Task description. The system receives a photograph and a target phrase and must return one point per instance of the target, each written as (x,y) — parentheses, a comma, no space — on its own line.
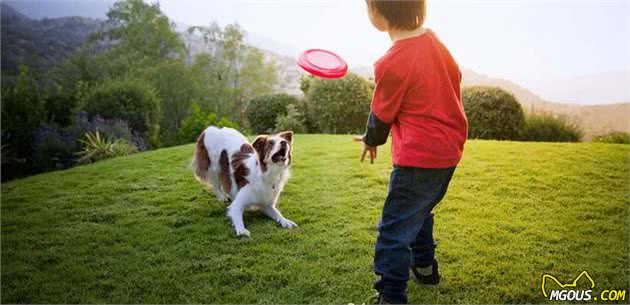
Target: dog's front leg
(235,213)
(274,214)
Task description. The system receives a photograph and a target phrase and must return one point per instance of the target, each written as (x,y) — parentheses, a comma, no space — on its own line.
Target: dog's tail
(201,161)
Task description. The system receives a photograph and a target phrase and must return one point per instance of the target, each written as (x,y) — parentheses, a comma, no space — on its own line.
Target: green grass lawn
(140,229)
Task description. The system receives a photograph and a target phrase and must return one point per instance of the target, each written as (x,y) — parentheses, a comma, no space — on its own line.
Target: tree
(232,71)
(142,30)
(22,113)
(257,76)
(131,100)
(175,85)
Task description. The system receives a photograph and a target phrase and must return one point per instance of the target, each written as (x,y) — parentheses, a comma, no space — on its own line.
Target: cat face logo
(570,294)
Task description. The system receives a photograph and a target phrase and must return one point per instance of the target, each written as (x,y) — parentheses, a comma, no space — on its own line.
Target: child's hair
(401,14)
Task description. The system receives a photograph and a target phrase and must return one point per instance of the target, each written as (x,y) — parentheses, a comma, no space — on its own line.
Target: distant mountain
(41,44)
(612,86)
(39,9)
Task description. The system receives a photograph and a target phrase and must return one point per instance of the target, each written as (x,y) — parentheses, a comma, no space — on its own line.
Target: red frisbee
(323,63)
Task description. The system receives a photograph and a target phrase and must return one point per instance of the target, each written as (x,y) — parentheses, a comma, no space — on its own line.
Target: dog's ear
(259,145)
(287,135)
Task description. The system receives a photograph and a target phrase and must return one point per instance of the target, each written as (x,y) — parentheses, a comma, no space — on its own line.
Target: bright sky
(522,40)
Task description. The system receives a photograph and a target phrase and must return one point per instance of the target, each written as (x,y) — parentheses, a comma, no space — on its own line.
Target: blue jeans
(405,231)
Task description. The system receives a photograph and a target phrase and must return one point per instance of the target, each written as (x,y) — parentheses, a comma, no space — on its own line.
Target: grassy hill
(140,229)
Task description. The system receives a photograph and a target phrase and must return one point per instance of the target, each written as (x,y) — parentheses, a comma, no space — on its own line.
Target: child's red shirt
(418,92)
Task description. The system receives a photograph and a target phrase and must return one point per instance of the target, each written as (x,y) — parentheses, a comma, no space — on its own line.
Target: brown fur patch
(201,161)
(224,174)
(262,147)
(239,167)
(288,135)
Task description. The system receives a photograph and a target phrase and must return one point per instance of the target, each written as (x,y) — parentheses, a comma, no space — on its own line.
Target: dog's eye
(272,142)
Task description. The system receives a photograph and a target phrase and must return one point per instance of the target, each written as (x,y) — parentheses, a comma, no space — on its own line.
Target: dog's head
(274,150)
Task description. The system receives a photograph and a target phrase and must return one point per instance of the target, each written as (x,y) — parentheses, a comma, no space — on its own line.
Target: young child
(417,96)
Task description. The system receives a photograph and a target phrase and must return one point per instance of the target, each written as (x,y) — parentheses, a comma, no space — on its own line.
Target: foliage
(616,137)
(545,127)
(235,71)
(110,128)
(263,111)
(507,204)
(257,77)
(22,110)
(198,121)
(215,94)
(54,148)
(176,87)
(339,106)
(293,120)
(60,108)
(131,100)
(141,30)
(305,82)
(97,148)
(493,113)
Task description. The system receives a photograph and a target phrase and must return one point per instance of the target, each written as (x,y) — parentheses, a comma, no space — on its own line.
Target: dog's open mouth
(280,155)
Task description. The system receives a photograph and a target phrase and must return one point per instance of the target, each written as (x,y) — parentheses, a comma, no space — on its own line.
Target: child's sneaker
(428,275)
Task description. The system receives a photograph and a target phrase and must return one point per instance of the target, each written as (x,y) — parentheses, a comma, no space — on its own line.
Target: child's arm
(376,132)
(388,96)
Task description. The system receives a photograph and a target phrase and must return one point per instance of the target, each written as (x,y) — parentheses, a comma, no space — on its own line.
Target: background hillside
(46,42)
(40,43)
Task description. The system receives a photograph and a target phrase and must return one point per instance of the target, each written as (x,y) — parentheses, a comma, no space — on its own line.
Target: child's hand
(366,149)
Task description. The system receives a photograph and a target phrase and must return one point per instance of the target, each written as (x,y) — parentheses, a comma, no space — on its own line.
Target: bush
(112,129)
(339,106)
(262,111)
(22,113)
(493,113)
(60,108)
(132,101)
(54,148)
(291,121)
(198,121)
(615,137)
(98,148)
(544,127)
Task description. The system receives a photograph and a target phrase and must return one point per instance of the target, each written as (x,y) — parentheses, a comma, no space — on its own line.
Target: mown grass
(140,229)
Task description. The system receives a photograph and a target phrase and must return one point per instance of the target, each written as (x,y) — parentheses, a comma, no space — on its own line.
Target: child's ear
(287,135)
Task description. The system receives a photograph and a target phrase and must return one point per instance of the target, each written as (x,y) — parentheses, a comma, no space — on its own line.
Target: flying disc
(322,63)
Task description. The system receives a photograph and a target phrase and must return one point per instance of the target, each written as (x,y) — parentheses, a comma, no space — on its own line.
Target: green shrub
(615,137)
(339,106)
(98,148)
(60,109)
(291,121)
(493,113)
(22,113)
(544,127)
(132,101)
(197,122)
(262,111)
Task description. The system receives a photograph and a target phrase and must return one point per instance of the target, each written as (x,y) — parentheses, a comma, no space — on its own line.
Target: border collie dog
(248,175)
